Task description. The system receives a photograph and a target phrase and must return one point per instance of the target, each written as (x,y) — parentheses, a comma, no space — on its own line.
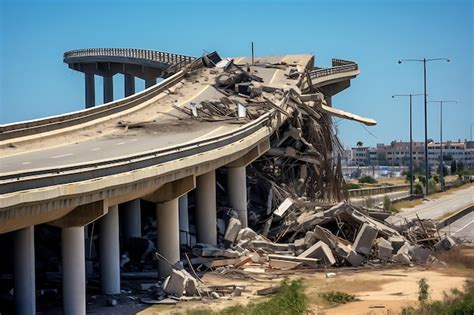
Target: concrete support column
(74,270)
(90,90)
(183,220)
(132,222)
(129,82)
(206,208)
(24,271)
(167,224)
(237,192)
(150,82)
(108,89)
(109,252)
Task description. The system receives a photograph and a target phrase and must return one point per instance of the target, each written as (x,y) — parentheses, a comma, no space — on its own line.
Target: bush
(352,186)
(387,203)
(433,186)
(367,180)
(337,297)
(417,189)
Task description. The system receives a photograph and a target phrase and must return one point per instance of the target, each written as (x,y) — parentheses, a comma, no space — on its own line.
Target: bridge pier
(129,84)
(74,270)
(150,82)
(206,208)
(90,89)
(167,225)
(108,89)
(24,271)
(183,220)
(237,192)
(109,252)
(132,222)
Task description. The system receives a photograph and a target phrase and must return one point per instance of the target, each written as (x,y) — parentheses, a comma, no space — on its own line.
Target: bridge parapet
(136,53)
(338,66)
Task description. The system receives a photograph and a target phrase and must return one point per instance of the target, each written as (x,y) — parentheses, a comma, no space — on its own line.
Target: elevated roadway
(71,170)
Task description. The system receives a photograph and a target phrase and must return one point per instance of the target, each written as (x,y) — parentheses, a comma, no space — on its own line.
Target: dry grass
(407,204)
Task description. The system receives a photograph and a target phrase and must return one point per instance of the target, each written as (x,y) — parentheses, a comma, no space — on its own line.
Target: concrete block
(445,243)
(365,238)
(175,284)
(354,259)
(190,286)
(384,249)
(221,226)
(309,238)
(321,251)
(402,258)
(300,244)
(285,205)
(246,234)
(419,253)
(405,249)
(233,228)
(397,242)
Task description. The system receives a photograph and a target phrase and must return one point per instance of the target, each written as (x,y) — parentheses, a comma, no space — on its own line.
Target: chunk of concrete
(384,249)
(445,243)
(405,249)
(233,228)
(397,242)
(354,259)
(309,238)
(284,206)
(190,286)
(419,253)
(365,238)
(402,258)
(321,251)
(246,234)
(175,284)
(300,244)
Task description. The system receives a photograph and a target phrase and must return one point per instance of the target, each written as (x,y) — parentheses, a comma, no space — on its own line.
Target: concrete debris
(365,238)
(321,251)
(175,283)
(233,229)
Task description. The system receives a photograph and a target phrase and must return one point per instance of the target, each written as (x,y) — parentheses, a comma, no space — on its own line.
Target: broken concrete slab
(175,283)
(246,234)
(397,242)
(285,205)
(384,249)
(419,253)
(365,238)
(402,258)
(321,251)
(284,264)
(233,228)
(445,244)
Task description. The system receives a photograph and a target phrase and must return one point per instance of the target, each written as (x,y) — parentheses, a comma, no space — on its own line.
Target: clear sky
(34,82)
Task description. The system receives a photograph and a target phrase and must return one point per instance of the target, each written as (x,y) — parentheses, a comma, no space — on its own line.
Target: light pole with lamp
(441,170)
(411,137)
(424,60)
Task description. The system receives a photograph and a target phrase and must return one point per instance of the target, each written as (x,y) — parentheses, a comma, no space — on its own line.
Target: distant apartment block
(397,153)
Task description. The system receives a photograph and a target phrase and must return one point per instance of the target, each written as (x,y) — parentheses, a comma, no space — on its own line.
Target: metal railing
(338,66)
(145,54)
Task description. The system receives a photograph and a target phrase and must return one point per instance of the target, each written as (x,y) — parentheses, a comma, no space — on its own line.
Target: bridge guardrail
(27,128)
(363,192)
(145,54)
(338,66)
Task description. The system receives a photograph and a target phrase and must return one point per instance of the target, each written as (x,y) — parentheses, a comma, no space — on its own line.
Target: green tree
(359,143)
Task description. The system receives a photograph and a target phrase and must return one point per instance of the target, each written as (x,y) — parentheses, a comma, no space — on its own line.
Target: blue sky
(34,82)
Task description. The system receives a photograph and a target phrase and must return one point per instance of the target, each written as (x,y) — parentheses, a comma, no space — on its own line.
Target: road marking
(95,149)
(62,155)
(120,143)
(25,163)
(133,140)
(464,227)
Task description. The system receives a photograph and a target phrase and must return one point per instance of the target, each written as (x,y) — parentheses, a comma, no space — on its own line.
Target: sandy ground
(379,291)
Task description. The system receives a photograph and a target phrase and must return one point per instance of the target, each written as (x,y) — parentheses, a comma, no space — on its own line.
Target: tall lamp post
(424,60)
(411,137)
(441,163)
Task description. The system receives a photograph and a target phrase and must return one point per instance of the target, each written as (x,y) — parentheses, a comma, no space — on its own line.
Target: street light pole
(424,60)
(441,162)
(411,138)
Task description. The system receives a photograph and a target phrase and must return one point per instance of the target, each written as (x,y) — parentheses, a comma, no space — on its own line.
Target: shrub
(417,189)
(352,186)
(337,297)
(367,180)
(387,203)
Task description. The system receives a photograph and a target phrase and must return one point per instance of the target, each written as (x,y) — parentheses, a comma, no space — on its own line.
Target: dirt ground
(379,291)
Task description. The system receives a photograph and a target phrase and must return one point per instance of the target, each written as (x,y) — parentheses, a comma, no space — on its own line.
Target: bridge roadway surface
(165,127)
(437,208)
(462,228)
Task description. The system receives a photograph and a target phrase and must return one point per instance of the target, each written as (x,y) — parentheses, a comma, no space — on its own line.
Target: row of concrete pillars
(172,217)
(129,87)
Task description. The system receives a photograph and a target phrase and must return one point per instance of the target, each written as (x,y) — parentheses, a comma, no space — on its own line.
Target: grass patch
(406,204)
(291,300)
(337,297)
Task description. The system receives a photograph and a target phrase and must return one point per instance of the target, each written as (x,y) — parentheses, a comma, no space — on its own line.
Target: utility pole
(441,161)
(411,137)
(424,60)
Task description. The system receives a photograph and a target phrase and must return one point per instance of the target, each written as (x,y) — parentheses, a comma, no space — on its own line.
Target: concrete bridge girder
(110,69)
